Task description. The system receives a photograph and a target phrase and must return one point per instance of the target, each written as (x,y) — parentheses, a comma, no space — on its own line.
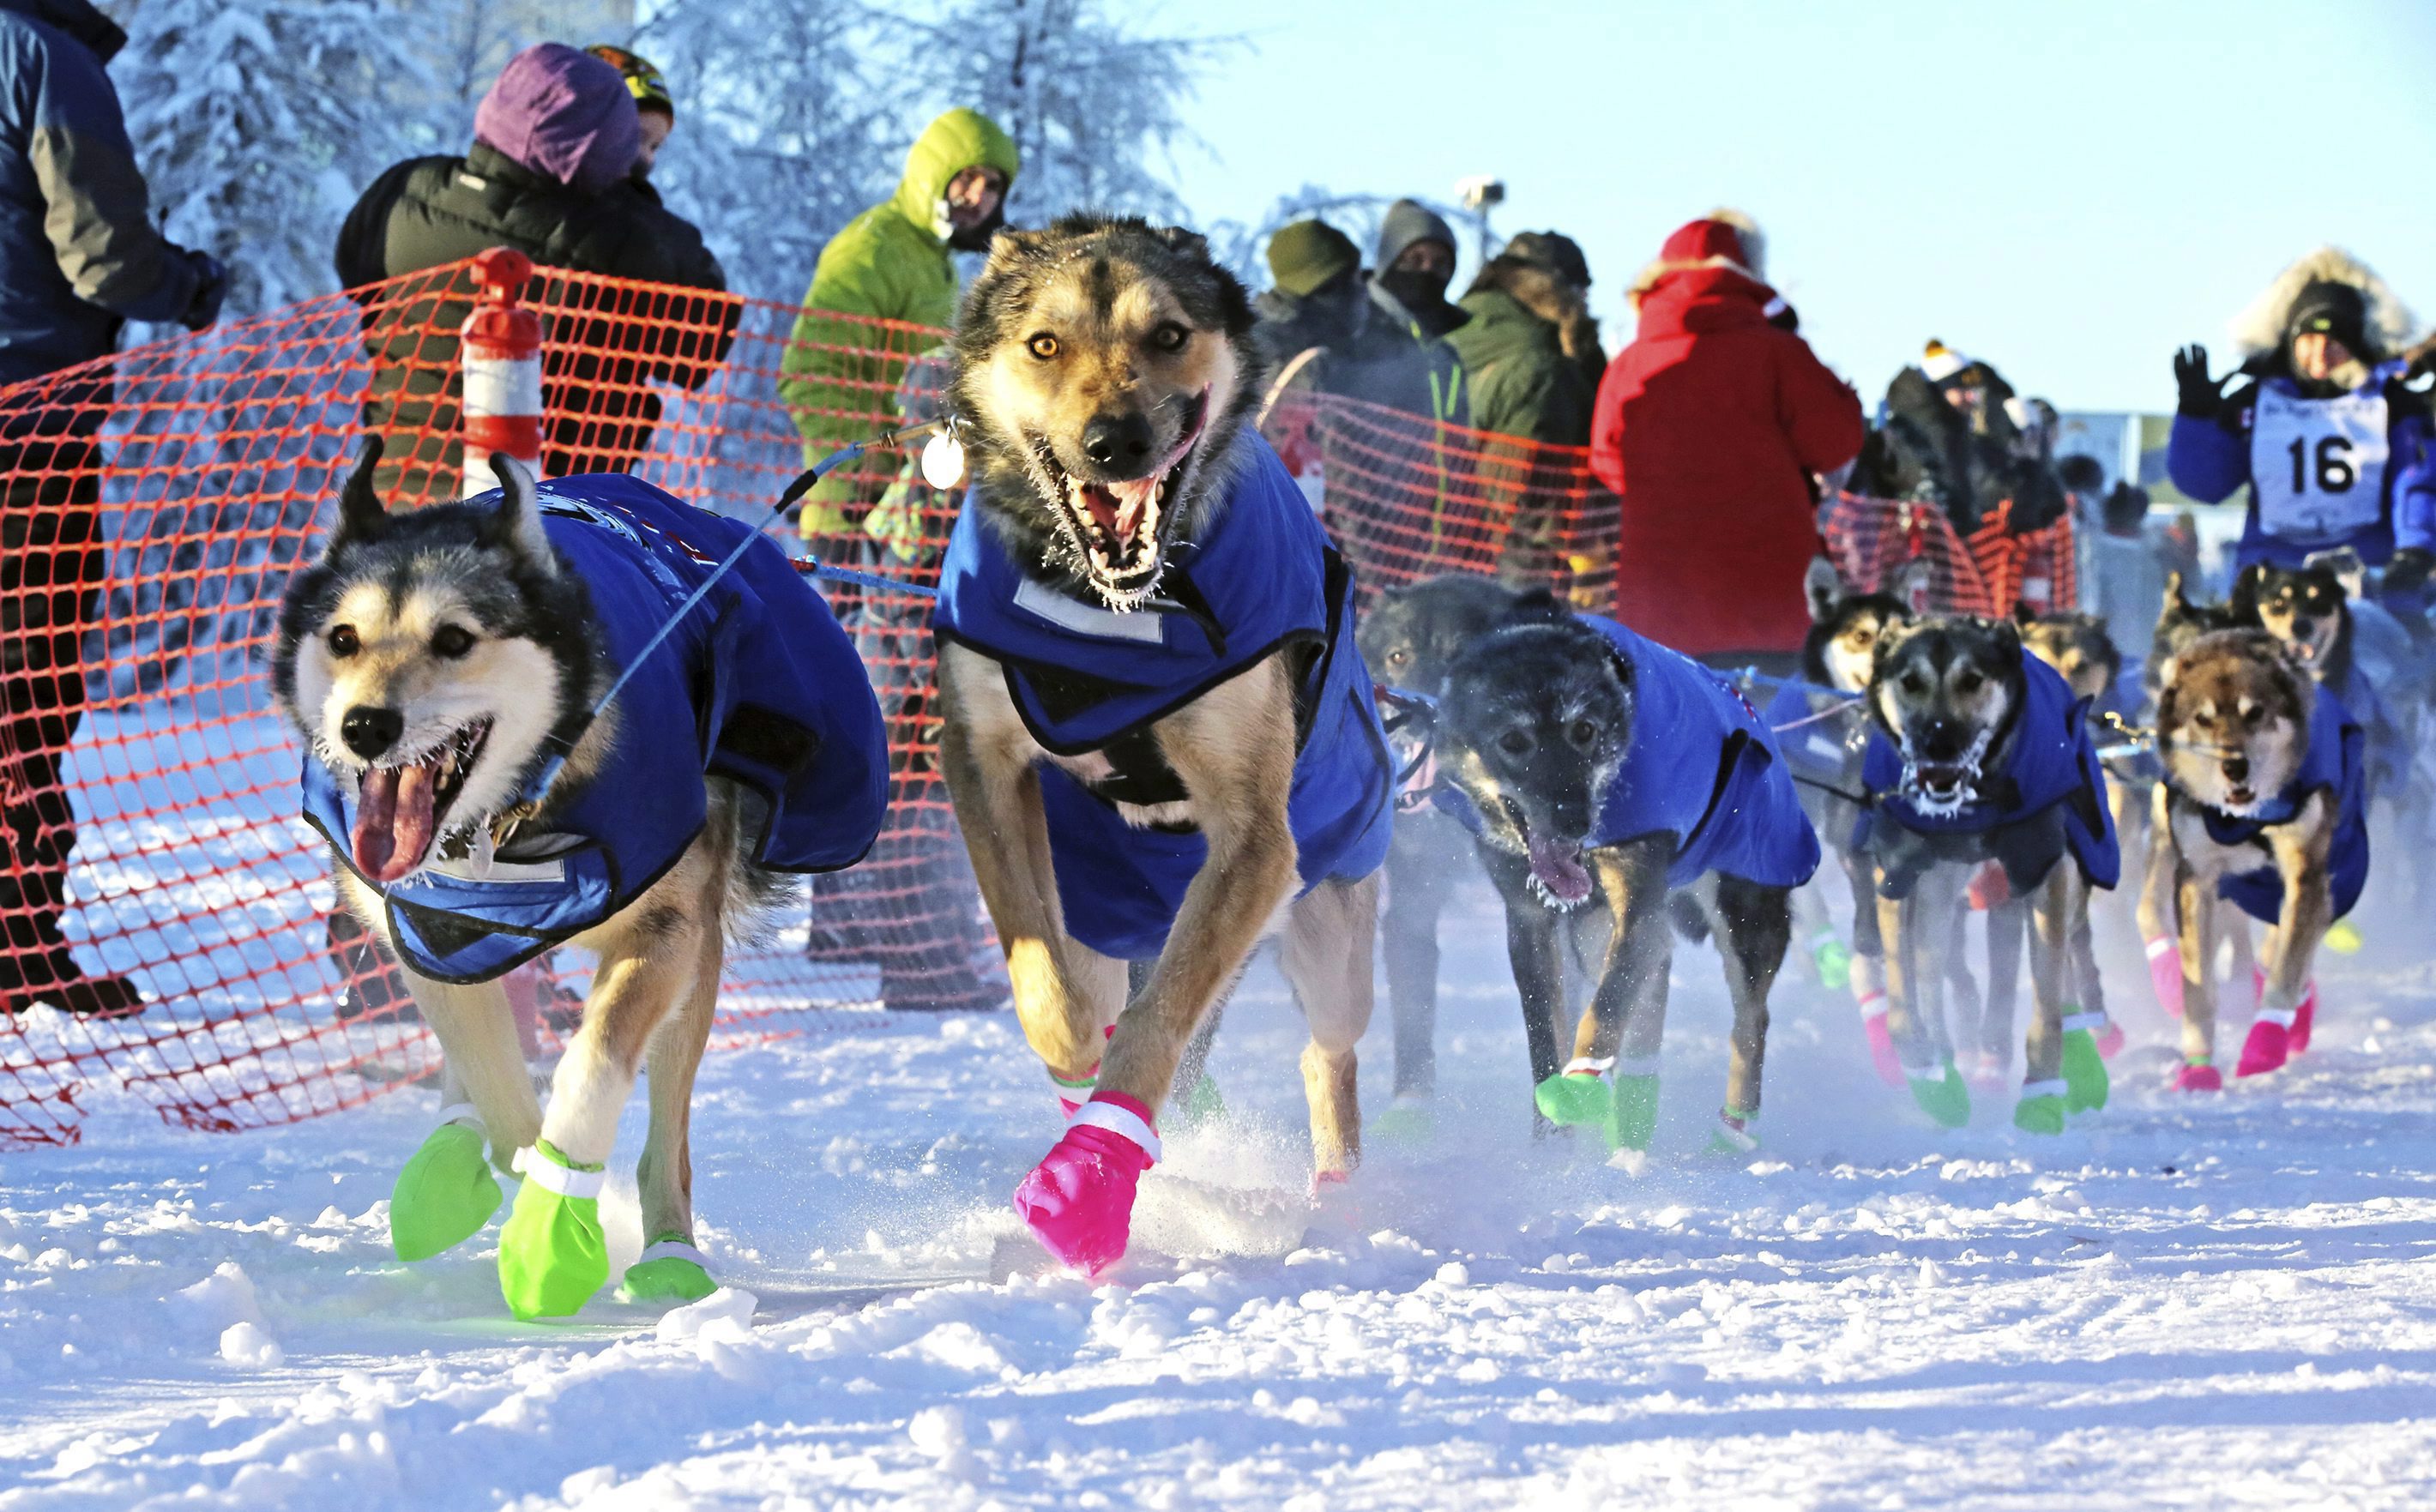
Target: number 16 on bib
(2318,466)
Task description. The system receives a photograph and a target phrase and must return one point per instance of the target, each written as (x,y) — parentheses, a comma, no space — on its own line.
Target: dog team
(562,713)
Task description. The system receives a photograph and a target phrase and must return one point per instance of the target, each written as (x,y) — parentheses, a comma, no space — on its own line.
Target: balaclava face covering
(1416,288)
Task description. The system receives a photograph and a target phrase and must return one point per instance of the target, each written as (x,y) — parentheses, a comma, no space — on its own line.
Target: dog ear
(2243,600)
(516,522)
(2008,637)
(1823,586)
(2176,594)
(1011,247)
(1182,242)
(360,511)
(1909,584)
(2023,613)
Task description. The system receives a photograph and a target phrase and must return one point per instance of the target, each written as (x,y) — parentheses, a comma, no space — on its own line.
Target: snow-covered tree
(788,124)
(466,42)
(1094,103)
(258,122)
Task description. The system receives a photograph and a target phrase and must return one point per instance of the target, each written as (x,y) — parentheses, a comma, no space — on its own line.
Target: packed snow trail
(2226,1301)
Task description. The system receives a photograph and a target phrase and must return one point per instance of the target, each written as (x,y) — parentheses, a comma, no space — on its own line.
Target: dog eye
(1969,683)
(342,640)
(1913,684)
(1170,337)
(1584,733)
(1044,346)
(1514,742)
(452,641)
(1398,657)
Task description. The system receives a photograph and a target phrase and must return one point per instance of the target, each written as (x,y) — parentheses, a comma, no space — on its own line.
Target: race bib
(2318,466)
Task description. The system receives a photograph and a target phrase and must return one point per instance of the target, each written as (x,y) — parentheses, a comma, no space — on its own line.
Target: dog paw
(1833,960)
(1571,1098)
(2198,1077)
(1733,1138)
(2042,1113)
(1079,1200)
(1874,1028)
(1633,1116)
(2343,938)
(671,1270)
(445,1194)
(2084,1072)
(1201,1107)
(2109,1040)
(1941,1094)
(1410,1118)
(552,1255)
(2166,972)
(2268,1047)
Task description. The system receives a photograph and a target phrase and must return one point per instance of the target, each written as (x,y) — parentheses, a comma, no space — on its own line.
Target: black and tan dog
(1597,768)
(1410,638)
(1981,755)
(2262,808)
(1157,729)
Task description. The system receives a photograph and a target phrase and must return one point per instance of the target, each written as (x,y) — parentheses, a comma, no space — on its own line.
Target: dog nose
(2237,769)
(1118,442)
(2303,627)
(370,731)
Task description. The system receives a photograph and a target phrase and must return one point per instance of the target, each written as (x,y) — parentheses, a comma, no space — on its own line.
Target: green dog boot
(1410,1118)
(446,1194)
(1943,1096)
(2042,1108)
(671,1270)
(2084,1069)
(552,1257)
(1634,1121)
(1733,1138)
(1575,1097)
(1198,1108)
(1833,960)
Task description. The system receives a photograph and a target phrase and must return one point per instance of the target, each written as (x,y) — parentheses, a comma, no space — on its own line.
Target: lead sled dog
(1157,730)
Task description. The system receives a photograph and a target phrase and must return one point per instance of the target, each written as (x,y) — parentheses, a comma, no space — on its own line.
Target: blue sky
(2068,190)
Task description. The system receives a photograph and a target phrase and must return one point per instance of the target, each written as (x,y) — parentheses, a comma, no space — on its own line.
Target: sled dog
(1981,754)
(439,665)
(2262,808)
(1157,730)
(1599,770)
(1410,638)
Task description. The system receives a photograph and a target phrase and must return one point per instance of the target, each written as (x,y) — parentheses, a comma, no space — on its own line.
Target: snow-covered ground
(2219,1303)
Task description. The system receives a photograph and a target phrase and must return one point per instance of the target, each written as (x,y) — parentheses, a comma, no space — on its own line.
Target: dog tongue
(1102,505)
(393,821)
(1559,870)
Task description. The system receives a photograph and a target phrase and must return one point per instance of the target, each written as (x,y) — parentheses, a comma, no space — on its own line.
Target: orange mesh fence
(1872,541)
(167,935)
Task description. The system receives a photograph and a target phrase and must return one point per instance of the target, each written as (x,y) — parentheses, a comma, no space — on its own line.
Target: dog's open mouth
(399,809)
(1944,788)
(1119,529)
(1558,874)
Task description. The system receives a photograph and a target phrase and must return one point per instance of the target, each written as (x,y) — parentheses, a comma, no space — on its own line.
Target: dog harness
(757,684)
(2050,799)
(2336,764)
(1260,579)
(1703,768)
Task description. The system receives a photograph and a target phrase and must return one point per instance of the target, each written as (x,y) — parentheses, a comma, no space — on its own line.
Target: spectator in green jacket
(1530,347)
(890,263)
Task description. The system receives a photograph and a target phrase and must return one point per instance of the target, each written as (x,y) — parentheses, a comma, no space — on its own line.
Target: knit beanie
(1307,256)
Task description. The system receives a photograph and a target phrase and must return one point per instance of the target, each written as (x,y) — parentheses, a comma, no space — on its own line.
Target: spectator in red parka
(1709,428)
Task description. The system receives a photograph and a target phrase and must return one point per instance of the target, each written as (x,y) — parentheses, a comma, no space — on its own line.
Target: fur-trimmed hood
(1557,301)
(2260,329)
(1722,238)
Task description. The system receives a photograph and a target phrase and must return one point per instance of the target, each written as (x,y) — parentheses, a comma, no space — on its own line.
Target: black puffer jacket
(430,211)
(1926,449)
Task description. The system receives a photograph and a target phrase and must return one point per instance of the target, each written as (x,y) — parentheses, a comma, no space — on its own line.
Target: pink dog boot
(2305,1014)
(2166,971)
(1079,1201)
(2269,1044)
(2109,1040)
(1870,991)
(2199,1076)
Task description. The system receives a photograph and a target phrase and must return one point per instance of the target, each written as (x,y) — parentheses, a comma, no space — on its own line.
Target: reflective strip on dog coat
(760,684)
(1263,577)
(2335,763)
(2052,765)
(1703,768)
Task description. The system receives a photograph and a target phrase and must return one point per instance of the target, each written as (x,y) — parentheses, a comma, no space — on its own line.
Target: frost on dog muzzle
(1942,789)
(1116,535)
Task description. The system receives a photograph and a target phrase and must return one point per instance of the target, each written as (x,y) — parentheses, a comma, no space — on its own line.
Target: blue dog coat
(1702,769)
(757,684)
(2338,753)
(2053,767)
(1085,678)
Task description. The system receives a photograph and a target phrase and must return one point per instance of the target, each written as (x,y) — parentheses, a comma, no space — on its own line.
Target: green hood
(958,140)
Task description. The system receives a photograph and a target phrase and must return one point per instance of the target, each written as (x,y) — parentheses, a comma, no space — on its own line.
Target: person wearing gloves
(839,376)
(79,257)
(2320,424)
